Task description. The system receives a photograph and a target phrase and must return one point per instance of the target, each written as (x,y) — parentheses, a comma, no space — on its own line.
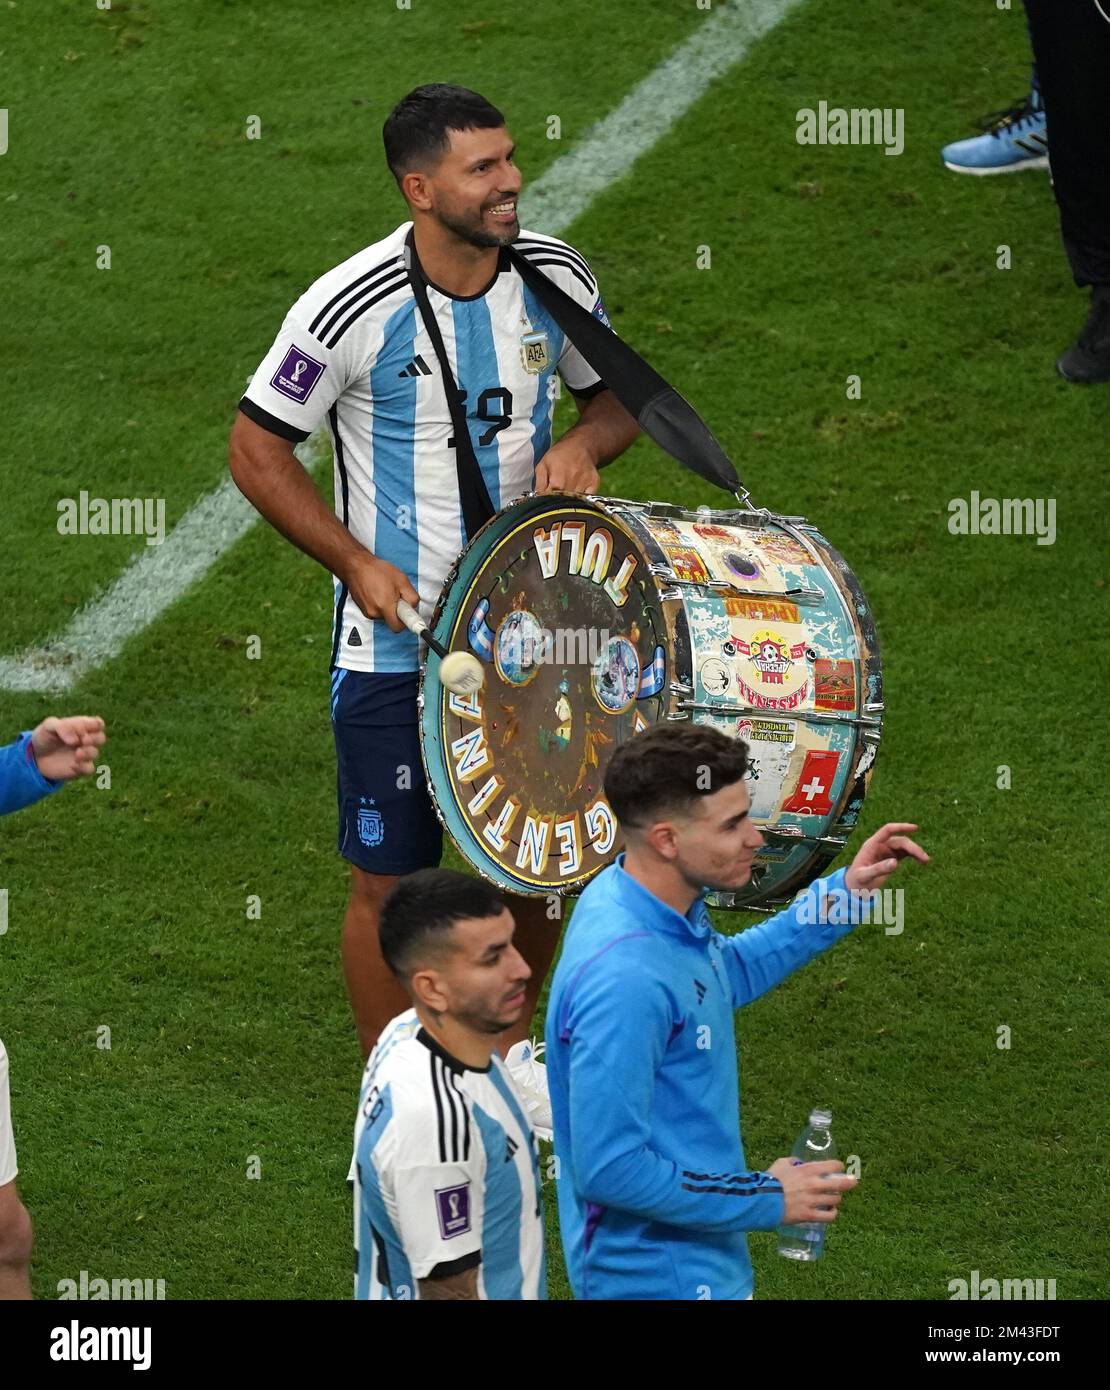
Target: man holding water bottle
(655,1195)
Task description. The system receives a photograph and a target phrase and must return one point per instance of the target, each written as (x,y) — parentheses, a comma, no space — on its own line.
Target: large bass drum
(596,617)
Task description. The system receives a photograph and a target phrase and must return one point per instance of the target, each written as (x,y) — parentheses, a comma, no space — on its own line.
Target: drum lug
(680,688)
(675,715)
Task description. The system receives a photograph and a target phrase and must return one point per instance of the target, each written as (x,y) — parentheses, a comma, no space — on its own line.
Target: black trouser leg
(1071,46)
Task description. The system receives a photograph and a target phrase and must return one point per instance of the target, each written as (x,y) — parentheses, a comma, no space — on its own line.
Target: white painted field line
(159,575)
(611,147)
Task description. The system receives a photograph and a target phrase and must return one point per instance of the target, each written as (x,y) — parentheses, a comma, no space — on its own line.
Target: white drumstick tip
(461,673)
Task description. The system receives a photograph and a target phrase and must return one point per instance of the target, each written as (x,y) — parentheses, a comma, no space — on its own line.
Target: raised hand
(67,748)
(880,855)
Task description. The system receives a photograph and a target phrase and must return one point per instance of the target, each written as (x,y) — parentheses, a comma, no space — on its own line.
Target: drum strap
(473,493)
(650,399)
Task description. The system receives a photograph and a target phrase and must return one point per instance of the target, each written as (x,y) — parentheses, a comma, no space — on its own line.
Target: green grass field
(127,906)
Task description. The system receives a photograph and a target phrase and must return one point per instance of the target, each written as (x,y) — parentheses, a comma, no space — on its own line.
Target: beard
(474,232)
(722,880)
(480,1018)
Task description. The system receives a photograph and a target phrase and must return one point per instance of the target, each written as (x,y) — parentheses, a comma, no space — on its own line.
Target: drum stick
(459,672)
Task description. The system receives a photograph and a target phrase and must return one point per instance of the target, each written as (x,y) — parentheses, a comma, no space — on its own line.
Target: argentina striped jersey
(354,351)
(446,1173)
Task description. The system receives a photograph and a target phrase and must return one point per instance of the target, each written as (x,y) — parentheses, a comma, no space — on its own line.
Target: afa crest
(534,352)
(371,827)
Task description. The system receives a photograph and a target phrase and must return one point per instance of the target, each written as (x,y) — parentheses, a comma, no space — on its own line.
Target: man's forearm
(604,428)
(761,957)
(282,490)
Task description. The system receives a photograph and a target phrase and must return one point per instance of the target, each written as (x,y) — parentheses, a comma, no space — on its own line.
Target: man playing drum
(354,350)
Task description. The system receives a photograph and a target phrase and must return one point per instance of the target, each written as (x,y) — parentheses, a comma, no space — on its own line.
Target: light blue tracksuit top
(654,1193)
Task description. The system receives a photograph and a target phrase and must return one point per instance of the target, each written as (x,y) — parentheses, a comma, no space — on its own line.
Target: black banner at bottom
(181,1338)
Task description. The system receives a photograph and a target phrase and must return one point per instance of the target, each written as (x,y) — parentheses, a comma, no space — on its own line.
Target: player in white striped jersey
(366,367)
(447,1191)
(354,351)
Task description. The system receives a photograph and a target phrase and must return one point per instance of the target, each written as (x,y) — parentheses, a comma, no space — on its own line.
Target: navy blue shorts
(386,821)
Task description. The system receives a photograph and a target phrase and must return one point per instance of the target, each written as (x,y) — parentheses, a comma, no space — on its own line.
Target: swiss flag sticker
(812,795)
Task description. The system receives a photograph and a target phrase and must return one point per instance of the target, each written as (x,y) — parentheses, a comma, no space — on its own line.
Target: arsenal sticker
(813,794)
(772,657)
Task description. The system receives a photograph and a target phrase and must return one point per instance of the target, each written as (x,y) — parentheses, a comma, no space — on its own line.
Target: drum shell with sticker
(596,617)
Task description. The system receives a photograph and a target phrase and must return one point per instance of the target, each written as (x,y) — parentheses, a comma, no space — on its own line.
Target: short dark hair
(415,133)
(422,906)
(667,767)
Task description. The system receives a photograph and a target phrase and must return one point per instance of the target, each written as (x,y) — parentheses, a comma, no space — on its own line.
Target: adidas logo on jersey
(417,367)
(700,989)
(511,1147)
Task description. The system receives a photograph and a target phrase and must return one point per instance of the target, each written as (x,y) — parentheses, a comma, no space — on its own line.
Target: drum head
(555,597)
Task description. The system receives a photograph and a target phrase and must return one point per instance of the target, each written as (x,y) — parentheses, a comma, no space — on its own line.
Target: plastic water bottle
(806,1239)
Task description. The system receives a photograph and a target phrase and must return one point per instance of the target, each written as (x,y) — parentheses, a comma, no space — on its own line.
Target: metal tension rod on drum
(798,595)
(830,841)
(808,716)
(674,512)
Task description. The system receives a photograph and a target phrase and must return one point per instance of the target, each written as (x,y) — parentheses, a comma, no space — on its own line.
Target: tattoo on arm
(463,1285)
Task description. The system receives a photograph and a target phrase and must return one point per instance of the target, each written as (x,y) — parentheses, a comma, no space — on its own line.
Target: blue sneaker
(1011,140)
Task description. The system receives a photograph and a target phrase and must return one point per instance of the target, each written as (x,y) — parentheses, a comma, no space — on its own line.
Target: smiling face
(714,844)
(473,189)
(478,977)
